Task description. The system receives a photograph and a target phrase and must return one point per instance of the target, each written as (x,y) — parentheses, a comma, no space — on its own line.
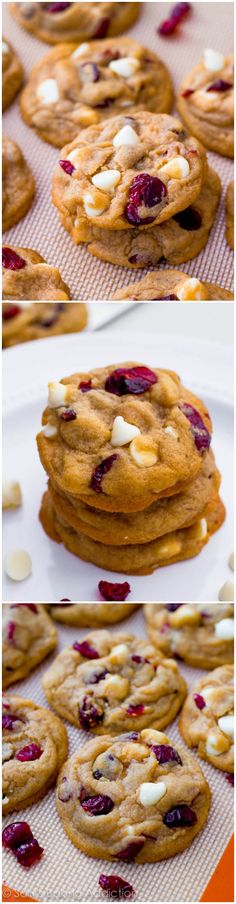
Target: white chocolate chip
(75,157)
(127,135)
(18,565)
(171,432)
(177,168)
(126,67)
(231,561)
(152,735)
(192,290)
(226,724)
(208,694)
(224,629)
(185,615)
(130,830)
(94,205)
(151,792)
(7,752)
(49,431)
(47,91)
(106,179)
(5,800)
(213,60)
(119,654)
(216,744)
(83,48)
(57,394)
(226,592)
(199,530)
(143,454)
(115,687)
(11,495)
(123,432)
(5,48)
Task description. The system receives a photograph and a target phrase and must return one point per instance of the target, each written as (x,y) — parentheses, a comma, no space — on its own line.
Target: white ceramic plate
(56,574)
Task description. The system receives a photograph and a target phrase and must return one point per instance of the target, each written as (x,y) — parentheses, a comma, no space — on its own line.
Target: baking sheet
(65,873)
(208,25)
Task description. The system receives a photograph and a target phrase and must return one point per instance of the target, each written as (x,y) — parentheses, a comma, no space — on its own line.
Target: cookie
(18,186)
(206,103)
(163,516)
(207,718)
(92,615)
(22,323)
(28,636)
(229,213)
(151,798)
(113,682)
(12,74)
(74,87)
(34,748)
(139,558)
(171,285)
(179,239)
(26,275)
(200,634)
(54,22)
(130,171)
(112,445)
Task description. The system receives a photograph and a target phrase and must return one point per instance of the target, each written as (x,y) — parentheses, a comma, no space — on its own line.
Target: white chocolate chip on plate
(177,168)
(106,179)
(151,792)
(213,60)
(11,495)
(47,91)
(127,135)
(126,67)
(226,592)
(17,564)
(123,432)
(224,629)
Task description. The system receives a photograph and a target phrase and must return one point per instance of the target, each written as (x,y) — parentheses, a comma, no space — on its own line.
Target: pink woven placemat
(65,874)
(208,25)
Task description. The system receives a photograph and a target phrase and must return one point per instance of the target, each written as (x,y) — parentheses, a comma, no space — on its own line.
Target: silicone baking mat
(66,874)
(208,25)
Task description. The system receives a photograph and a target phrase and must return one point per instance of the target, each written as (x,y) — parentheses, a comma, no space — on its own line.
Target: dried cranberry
(110,591)
(166,754)
(187,92)
(134,380)
(115,886)
(30,752)
(10,631)
(89,714)
(173,606)
(129,736)
(90,72)
(11,260)
(65,601)
(97,805)
(85,385)
(97,774)
(220,85)
(139,659)
(8,721)
(11,311)
(95,677)
(132,850)
(180,10)
(177,656)
(67,166)
(69,415)
(29,853)
(230,778)
(135,709)
(189,219)
(177,14)
(199,700)
(86,650)
(106,102)
(166,298)
(57,7)
(16,833)
(145,191)
(102,28)
(200,432)
(100,472)
(180,816)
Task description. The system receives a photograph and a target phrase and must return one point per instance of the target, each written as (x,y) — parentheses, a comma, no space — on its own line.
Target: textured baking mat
(208,25)
(66,874)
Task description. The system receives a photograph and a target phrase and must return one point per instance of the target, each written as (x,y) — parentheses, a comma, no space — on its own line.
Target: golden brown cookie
(206,102)
(23,323)
(18,186)
(134,797)
(12,74)
(93,615)
(171,285)
(200,634)
(28,636)
(229,213)
(34,749)
(54,22)
(26,275)
(207,718)
(74,87)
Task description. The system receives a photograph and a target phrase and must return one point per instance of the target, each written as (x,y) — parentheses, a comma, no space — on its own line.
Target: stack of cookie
(133,483)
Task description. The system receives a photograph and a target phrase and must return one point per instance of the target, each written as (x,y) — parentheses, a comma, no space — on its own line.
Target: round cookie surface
(92,616)
(28,636)
(37,321)
(200,634)
(229,213)
(154,170)
(26,275)
(18,184)
(111,683)
(54,22)
(207,718)
(12,74)
(179,239)
(34,749)
(146,788)
(171,285)
(206,103)
(74,87)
